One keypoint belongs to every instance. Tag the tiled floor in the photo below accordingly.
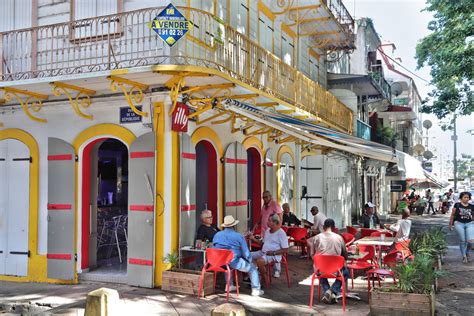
(108, 270)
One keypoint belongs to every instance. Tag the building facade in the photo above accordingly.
(90, 96)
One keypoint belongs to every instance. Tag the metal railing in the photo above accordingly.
(340, 12)
(126, 40)
(379, 80)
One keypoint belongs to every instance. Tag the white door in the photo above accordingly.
(16, 203)
(3, 204)
(188, 192)
(286, 175)
(235, 166)
(61, 209)
(337, 176)
(141, 213)
(270, 172)
(312, 178)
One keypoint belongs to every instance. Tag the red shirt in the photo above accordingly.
(273, 208)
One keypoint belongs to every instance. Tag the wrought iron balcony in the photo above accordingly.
(125, 40)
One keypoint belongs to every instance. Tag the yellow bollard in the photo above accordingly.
(102, 302)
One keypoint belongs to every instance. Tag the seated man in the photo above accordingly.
(275, 244)
(289, 219)
(229, 239)
(331, 244)
(369, 219)
(207, 230)
(402, 227)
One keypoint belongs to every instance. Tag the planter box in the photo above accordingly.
(187, 282)
(398, 304)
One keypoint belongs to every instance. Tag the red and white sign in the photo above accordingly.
(180, 118)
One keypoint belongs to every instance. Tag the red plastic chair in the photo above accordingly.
(390, 261)
(348, 238)
(352, 230)
(366, 262)
(284, 262)
(364, 232)
(298, 236)
(403, 250)
(386, 234)
(218, 261)
(328, 267)
(285, 228)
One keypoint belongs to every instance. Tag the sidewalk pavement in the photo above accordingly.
(454, 298)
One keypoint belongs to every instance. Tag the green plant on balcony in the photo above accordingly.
(375, 75)
(386, 136)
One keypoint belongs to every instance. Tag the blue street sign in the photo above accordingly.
(128, 116)
(170, 25)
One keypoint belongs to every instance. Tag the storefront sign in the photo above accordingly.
(180, 118)
(128, 116)
(170, 25)
(398, 186)
(401, 101)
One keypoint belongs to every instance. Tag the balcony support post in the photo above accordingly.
(82, 98)
(132, 90)
(29, 101)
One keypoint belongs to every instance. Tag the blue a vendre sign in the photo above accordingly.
(170, 25)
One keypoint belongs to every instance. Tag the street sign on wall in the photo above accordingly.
(428, 166)
(401, 101)
(170, 25)
(179, 118)
(128, 116)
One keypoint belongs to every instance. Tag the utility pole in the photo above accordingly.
(455, 139)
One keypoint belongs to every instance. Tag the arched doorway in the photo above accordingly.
(206, 180)
(254, 185)
(104, 211)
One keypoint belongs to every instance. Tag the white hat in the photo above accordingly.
(370, 204)
(229, 221)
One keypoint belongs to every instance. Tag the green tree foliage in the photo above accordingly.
(449, 51)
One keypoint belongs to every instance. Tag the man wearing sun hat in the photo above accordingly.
(229, 239)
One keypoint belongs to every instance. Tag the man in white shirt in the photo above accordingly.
(402, 227)
(318, 219)
(275, 244)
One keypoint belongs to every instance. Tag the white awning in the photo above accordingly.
(313, 133)
(410, 166)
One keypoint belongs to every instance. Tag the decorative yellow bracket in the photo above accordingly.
(81, 100)
(175, 90)
(29, 101)
(132, 90)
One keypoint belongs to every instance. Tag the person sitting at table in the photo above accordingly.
(318, 220)
(207, 230)
(275, 244)
(229, 239)
(330, 244)
(369, 219)
(402, 227)
(289, 219)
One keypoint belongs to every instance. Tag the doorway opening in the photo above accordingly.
(206, 181)
(105, 211)
(254, 186)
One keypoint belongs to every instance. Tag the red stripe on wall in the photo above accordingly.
(236, 203)
(141, 262)
(236, 161)
(188, 156)
(60, 157)
(59, 256)
(142, 154)
(191, 207)
(143, 208)
(62, 207)
(269, 164)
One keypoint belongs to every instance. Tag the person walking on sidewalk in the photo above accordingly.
(461, 218)
(430, 199)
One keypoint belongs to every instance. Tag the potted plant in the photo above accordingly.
(184, 281)
(414, 293)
